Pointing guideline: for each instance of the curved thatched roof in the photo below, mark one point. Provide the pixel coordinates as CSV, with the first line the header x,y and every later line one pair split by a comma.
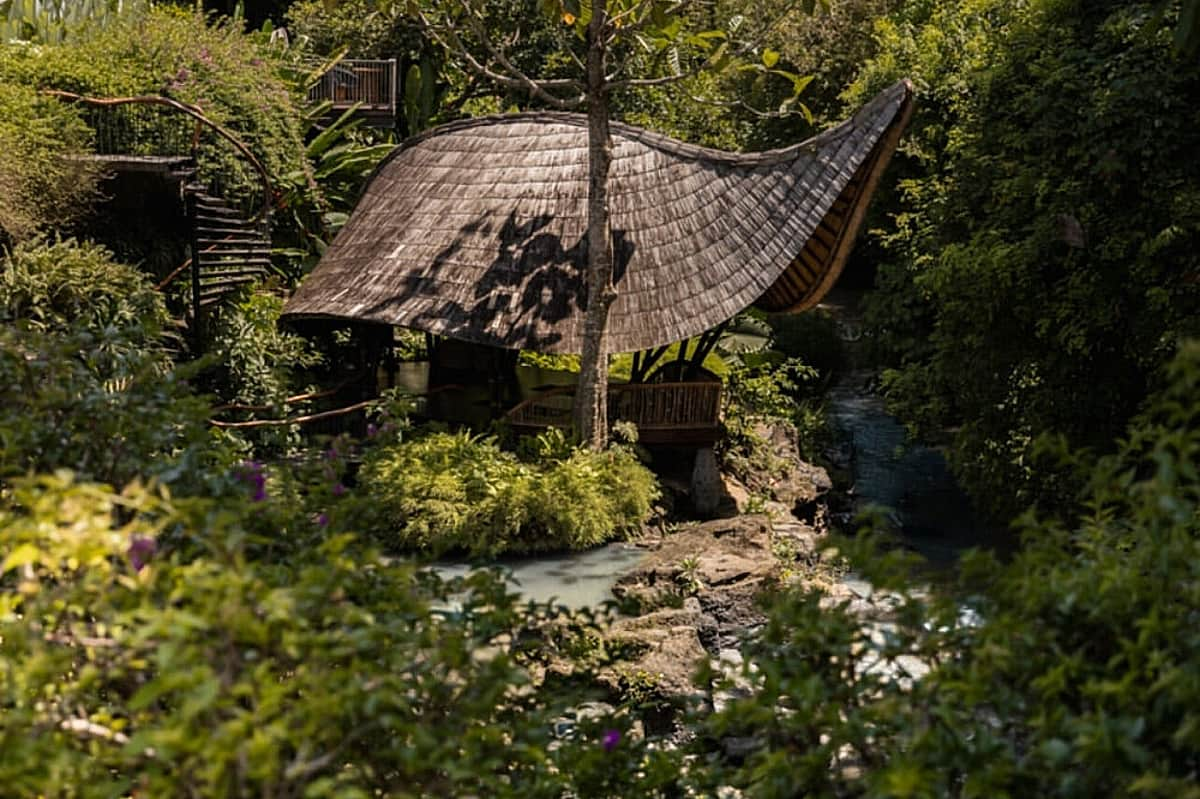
x,y
475,230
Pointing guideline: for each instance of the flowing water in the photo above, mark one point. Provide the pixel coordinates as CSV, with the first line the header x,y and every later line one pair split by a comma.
x,y
911,481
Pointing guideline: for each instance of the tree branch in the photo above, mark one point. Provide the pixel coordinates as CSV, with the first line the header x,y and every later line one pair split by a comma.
x,y
748,45
515,79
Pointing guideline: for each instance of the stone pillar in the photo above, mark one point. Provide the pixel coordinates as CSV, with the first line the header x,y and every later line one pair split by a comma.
x,y
706,487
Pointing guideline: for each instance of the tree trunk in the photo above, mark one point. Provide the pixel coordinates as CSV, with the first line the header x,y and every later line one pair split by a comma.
x,y
591,395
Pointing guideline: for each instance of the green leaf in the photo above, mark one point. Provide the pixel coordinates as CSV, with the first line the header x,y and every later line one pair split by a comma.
x,y
23,555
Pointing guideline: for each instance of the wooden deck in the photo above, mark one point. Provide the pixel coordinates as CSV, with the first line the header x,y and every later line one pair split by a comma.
x,y
665,413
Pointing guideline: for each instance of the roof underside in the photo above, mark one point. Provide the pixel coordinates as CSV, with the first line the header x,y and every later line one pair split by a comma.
x,y
476,230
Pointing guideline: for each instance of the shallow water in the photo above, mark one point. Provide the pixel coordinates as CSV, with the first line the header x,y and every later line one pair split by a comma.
x,y
574,579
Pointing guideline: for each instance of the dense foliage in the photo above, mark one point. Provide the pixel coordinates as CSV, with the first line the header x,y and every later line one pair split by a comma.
x,y
1044,262
147,650
240,82
217,625
43,183
86,381
1069,672
455,491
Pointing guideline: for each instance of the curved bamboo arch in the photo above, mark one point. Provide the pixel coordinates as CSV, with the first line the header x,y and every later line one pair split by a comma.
x,y
186,108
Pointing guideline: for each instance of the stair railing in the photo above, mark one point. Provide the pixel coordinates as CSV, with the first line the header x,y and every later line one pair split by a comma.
x,y
127,134
201,122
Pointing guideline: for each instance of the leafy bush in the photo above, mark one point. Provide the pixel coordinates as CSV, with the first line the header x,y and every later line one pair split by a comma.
x,y
1044,255
254,369
43,182
367,28
454,491
65,285
85,381
770,393
238,81
144,650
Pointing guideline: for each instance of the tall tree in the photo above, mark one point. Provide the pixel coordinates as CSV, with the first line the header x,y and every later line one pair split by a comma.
x,y
610,47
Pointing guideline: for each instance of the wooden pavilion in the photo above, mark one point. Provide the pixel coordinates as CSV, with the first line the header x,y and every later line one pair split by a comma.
x,y
476,231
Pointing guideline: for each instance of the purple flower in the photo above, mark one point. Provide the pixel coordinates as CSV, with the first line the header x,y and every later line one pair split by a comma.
x,y
322,519
331,453
372,430
338,489
252,473
610,740
141,549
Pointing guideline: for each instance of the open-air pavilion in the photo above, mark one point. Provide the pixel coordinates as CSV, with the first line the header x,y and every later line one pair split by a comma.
x,y
476,231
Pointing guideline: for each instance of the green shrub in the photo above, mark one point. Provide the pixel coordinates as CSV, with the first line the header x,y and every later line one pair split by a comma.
x,y
144,650
66,285
454,491
43,182
770,393
238,81
367,28
255,367
85,380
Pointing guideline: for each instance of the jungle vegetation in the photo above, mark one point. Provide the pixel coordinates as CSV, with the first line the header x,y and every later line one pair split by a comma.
x,y
195,609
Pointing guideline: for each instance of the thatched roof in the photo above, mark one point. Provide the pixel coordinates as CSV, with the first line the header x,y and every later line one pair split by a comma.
x,y
475,230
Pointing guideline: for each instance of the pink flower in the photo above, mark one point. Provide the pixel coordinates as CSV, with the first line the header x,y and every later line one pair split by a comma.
x,y
610,740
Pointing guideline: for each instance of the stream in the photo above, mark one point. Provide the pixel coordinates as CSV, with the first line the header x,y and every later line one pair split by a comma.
x,y
913,482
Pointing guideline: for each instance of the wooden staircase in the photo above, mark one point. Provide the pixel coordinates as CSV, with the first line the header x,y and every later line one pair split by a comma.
x,y
229,250
231,247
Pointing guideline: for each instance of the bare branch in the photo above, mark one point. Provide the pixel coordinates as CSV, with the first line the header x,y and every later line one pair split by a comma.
x,y
515,79
89,729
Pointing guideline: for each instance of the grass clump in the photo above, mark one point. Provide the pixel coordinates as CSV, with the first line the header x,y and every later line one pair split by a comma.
x,y
459,492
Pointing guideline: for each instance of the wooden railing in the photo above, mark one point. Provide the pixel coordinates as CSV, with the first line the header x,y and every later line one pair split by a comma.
x,y
370,84
663,412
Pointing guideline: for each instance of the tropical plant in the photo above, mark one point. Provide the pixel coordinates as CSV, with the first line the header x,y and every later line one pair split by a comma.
x,y
317,199
455,491
52,21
